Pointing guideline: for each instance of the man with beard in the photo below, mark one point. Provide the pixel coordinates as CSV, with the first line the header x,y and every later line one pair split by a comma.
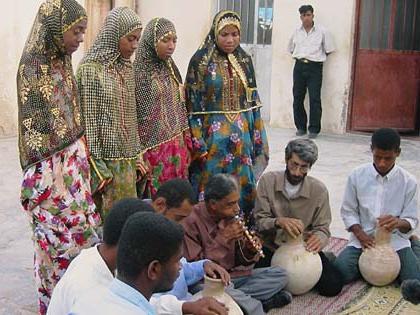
x,y
290,202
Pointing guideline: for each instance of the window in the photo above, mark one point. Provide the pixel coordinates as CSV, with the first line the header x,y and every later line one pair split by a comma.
x,y
390,24
256,19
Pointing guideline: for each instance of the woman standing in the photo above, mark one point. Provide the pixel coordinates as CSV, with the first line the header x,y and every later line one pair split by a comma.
x,y
163,124
227,129
55,191
106,83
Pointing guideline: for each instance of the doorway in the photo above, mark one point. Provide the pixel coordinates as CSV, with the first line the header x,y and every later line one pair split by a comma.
x,y
386,73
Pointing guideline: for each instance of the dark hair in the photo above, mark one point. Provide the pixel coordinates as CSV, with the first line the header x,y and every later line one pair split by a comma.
x,y
175,191
219,186
305,8
118,215
305,149
146,237
386,139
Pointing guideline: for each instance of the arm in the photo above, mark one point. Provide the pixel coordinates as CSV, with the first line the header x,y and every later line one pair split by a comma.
x,y
350,214
328,42
291,44
193,271
167,304
194,90
407,220
264,218
88,83
409,212
322,220
350,206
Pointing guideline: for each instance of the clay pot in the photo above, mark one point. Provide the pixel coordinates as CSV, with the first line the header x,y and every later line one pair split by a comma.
x,y
380,265
214,288
303,267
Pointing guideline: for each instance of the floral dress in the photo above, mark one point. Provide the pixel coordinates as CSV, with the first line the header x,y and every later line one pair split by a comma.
x,y
57,199
228,134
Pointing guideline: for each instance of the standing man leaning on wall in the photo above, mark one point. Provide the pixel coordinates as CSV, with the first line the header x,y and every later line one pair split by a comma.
x,y
309,45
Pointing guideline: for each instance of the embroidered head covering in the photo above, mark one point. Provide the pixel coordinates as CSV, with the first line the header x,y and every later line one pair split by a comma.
x,y
48,104
159,91
120,22
241,62
107,91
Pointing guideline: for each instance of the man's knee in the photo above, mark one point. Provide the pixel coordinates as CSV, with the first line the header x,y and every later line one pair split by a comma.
x,y
347,264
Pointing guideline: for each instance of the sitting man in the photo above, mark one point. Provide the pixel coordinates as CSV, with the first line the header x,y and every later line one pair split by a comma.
x,y
381,194
94,268
290,202
149,251
175,200
212,232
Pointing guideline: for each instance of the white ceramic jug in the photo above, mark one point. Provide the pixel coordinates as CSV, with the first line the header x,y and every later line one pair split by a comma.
x,y
214,288
380,265
303,267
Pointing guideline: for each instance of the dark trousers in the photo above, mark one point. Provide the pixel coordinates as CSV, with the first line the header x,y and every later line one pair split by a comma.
x,y
307,76
348,264
331,281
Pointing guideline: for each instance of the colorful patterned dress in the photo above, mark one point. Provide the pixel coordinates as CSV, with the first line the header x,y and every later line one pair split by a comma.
x,y
55,191
107,97
162,115
228,133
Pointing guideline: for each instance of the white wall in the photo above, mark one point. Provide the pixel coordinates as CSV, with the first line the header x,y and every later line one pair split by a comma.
x,y
338,18
192,21
15,25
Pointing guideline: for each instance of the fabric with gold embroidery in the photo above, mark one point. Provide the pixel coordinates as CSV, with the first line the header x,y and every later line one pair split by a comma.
x,y
228,134
48,104
161,110
107,91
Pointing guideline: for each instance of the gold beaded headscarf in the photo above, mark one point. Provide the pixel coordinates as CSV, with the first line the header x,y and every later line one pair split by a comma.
x,y
225,18
239,59
120,22
160,105
107,90
48,104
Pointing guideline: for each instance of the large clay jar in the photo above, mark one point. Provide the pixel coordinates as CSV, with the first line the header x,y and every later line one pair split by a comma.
x,y
380,265
214,288
303,267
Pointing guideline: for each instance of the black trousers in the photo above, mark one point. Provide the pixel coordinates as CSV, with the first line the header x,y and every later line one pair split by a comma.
x,y
331,281
307,76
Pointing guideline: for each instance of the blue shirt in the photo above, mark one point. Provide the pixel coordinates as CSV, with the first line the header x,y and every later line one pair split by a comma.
x,y
190,274
119,298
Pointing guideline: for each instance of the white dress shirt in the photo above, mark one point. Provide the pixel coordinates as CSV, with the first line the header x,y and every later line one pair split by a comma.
x,y
119,298
313,45
368,195
87,272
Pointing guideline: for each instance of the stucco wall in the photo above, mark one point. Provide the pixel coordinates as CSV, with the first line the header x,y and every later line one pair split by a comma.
x,y
338,18
16,24
192,21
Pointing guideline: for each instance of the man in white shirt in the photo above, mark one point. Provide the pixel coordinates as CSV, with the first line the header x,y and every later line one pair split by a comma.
x,y
148,261
309,45
381,194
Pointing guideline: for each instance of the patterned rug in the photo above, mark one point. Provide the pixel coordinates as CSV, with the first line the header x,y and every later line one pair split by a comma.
x,y
357,298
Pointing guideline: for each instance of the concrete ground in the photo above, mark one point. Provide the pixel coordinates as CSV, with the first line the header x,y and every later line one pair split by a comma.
x,y
338,155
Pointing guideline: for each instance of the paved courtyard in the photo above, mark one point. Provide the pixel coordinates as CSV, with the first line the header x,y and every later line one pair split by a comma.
x,y
338,155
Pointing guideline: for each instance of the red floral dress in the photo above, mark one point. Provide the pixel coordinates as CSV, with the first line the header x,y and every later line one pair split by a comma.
x,y
57,198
